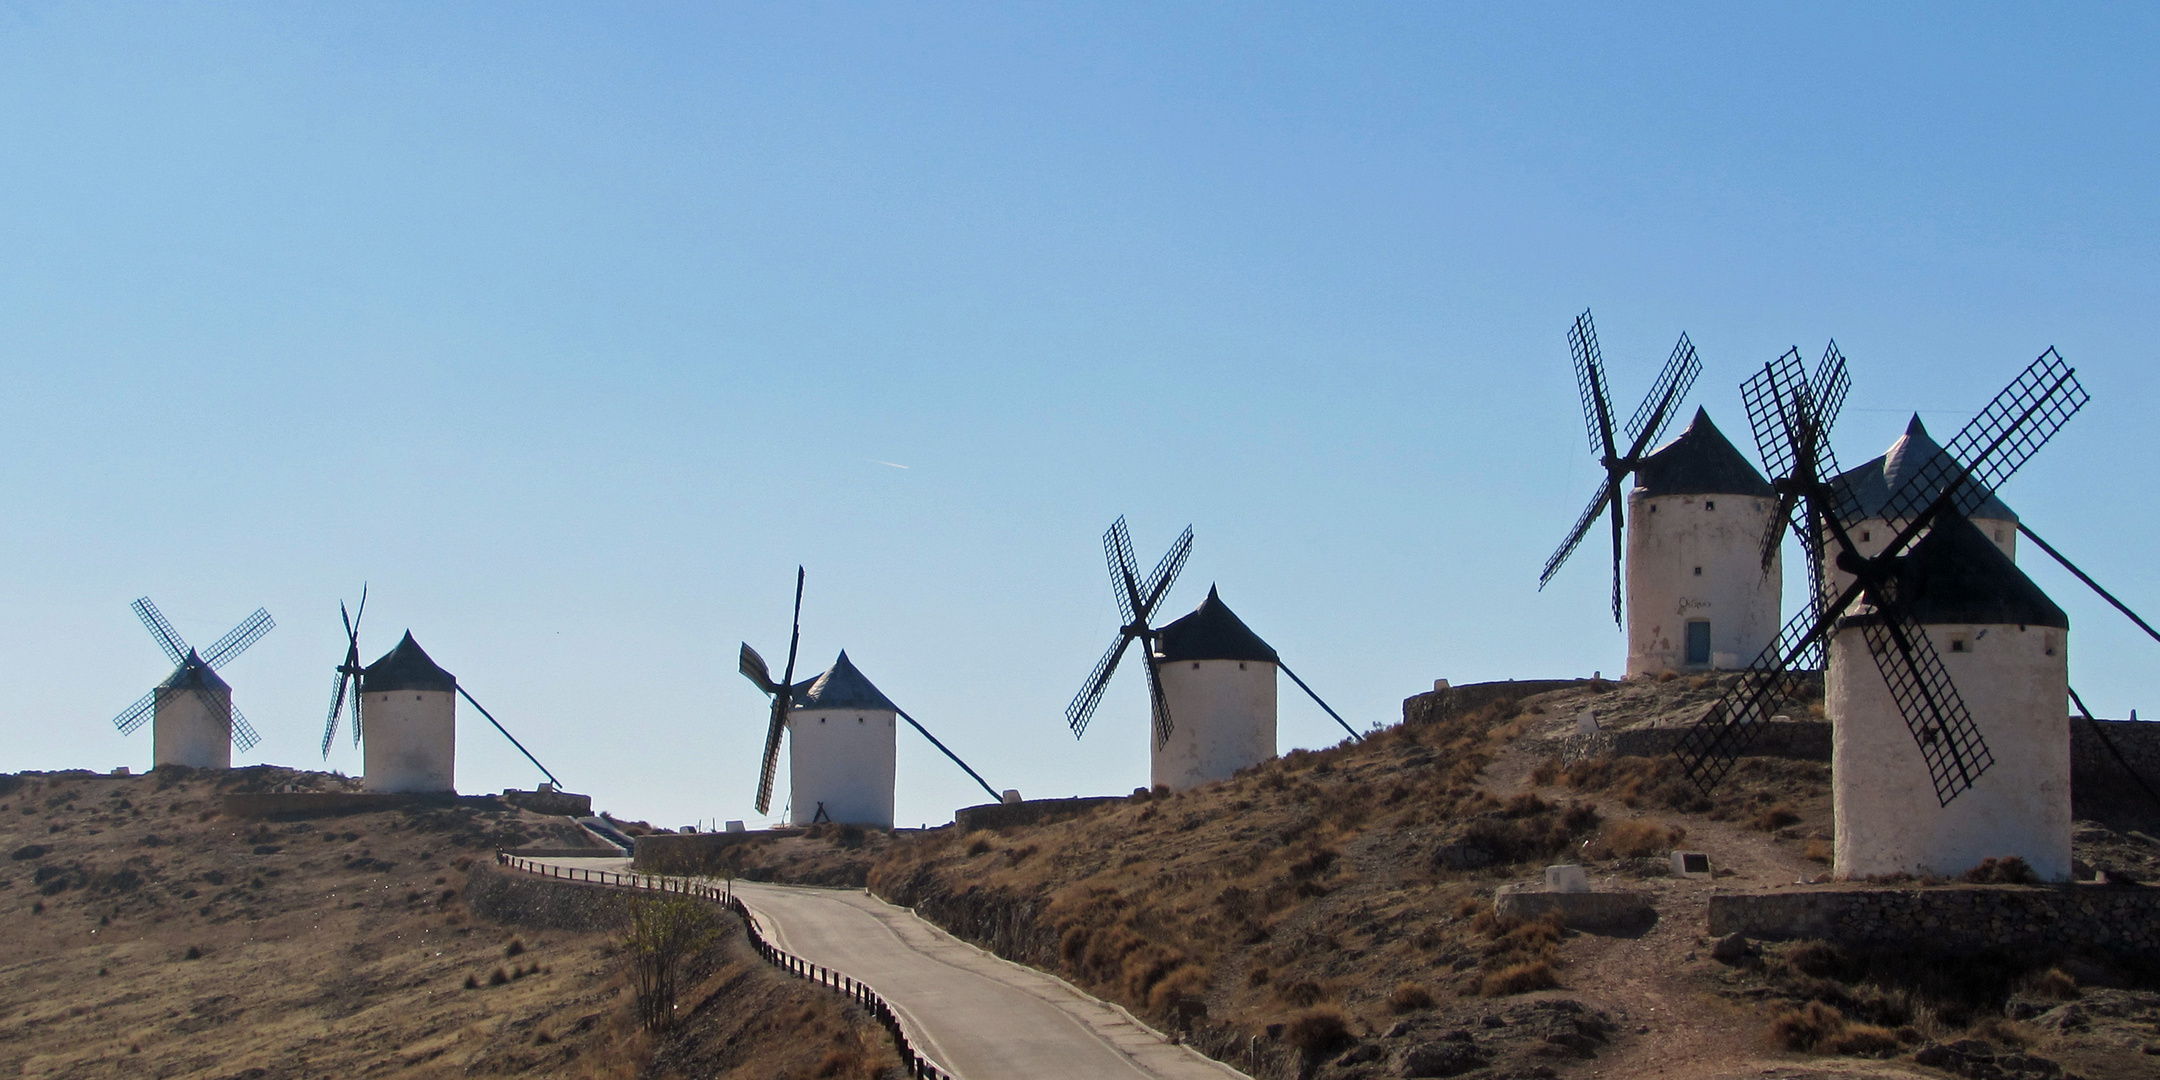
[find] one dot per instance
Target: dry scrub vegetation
(150, 936)
(1349, 886)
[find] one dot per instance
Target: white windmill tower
(2006, 647)
(411, 720)
(193, 720)
(843, 739)
(1211, 680)
(1942, 659)
(404, 713)
(1864, 496)
(1697, 597)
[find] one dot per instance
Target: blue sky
(572, 329)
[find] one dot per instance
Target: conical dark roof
(1955, 574)
(1701, 461)
(1212, 632)
(193, 674)
(406, 667)
(1865, 492)
(841, 687)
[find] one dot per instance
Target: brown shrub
(1775, 818)
(1637, 839)
(1519, 979)
(1806, 1027)
(2053, 983)
(1257, 977)
(1863, 1040)
(981, 846)
(1187, 982)
(1409, 997)
(2008, 870)
(1301, 992)
(2006, 1031)
(1818, 851)
(1547, 771)
(1318, 1032)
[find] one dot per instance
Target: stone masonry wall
(1968, 919)
(545, 903)
(1438, 705)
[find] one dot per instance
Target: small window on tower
(1958, 644)
(1863, 536)
(1698, 571)
(1698, 641)
(1196, 665)
(1709, 504)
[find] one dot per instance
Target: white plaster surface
(184, 731)
(1222, 715)
(1668, 537)
(844, 758)
(2014, 682)
(410, 740)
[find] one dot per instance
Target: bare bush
(665, 932)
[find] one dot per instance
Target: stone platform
(1958, 919)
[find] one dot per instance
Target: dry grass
(1519, 979)
(1636, 839)
(1318, 1032)
(1409, 997)
(1774, 818)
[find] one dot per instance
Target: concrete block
(1577, 910)
(1586, 722)
(1691, 864)
(1566, 878)
(735, 826)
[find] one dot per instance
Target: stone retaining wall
(1969, 919)
(1032, 812)
(542, 903)
(303, 804)
(1435, 706)
(1800, 740)
(687, 853)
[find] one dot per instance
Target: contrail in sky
(894, 464)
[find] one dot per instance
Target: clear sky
(572, 329)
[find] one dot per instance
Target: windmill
(1209, 667)
(196, 722)
(1791, 414)
(842, 757)
(416, 698)
(348, 676)
(1642, 431)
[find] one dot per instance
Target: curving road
(976, 1015)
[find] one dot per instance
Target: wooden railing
(917, 1066)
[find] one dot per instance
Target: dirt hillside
(1330, 914)
(151, 937)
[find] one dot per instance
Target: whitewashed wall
(410, 739)
(187, 732)
(2015, 683)
(1672, 537)
(1222, 716)
(844, 758)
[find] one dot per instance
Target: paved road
(978, 1016)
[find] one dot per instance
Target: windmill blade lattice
(783, 699)
(1138, 600)
(2003, 437)
(1643, 429)
(236, 642)
(137, 715)
(348, 676)
(176, 649)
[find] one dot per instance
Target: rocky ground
(1329, 914)
(149, 936)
